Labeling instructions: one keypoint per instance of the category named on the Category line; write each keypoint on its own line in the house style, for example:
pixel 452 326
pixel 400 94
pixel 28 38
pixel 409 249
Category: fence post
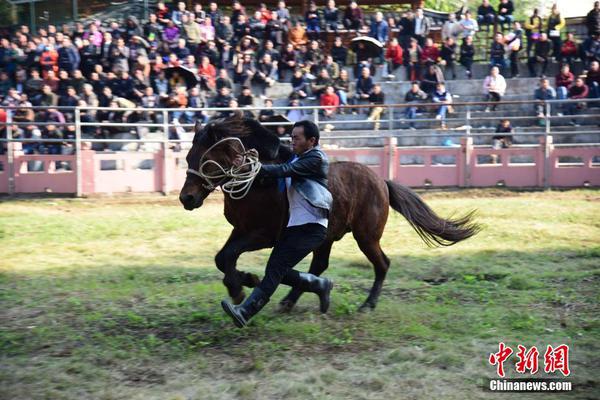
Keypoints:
pixel 547 118
pixel 391 118
pixel 547 148
pixel 466 144
pixel 468 121
pixel 392 142
pixel 10 155
pixel 78 164
pixel 165 146
pixel 316 116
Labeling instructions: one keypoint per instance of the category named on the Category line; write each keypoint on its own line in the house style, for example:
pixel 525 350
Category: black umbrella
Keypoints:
pixel 187 74
pixel 279 121
pixel 372 46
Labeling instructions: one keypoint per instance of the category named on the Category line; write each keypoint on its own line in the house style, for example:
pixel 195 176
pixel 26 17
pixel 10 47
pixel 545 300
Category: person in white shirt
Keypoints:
pixel 494 87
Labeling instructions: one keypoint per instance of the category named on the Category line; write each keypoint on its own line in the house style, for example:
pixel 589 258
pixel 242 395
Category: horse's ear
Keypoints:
pixel 197 127
pixel 261 139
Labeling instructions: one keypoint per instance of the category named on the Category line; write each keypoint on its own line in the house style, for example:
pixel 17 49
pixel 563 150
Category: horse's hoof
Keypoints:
pixel 237 300
pixel 366 307
pixel 285 306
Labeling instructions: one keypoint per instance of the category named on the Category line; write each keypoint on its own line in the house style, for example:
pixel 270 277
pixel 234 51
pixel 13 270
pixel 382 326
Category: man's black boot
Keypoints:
pixel 321 286
pixel 253 304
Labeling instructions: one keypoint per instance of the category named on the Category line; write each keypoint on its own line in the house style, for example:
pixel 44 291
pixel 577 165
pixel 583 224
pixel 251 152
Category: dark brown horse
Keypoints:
pixel 361 202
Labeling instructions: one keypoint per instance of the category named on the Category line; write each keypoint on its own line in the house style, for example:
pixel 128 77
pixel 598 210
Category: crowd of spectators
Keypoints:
pixel 233 50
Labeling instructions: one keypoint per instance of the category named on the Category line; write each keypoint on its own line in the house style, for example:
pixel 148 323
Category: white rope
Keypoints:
pixel 239 177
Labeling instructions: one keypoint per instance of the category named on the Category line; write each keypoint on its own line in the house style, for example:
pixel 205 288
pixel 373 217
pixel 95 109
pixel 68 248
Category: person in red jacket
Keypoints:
pixel 330 100
pixel 564 79
pixel 568 50
pixel 394 56
pixel 578 90
pixel 430 53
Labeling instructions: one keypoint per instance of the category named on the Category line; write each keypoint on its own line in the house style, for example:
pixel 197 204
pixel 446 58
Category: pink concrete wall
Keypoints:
pixel 430 172
pixel 4 174
pixel 574 175
pixel 49 180
pixel 513 175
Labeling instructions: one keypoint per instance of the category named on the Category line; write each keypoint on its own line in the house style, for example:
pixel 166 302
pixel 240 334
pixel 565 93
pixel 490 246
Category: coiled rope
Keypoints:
pixel 235 180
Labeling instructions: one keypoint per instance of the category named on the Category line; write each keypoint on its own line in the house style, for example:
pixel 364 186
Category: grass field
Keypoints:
pixel 119 299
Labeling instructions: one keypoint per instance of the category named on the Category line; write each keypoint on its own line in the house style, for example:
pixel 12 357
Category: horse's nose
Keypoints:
pixel 186 199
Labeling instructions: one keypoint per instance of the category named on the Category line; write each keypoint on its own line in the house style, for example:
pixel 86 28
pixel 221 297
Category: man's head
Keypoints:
pixel 544 83
pixel 414 86
pixel 305 136
pixel 377 88
pixel 579 81
pixel 594 66
pixel 565 69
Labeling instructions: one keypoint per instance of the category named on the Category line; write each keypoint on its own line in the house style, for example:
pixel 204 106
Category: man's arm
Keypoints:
pixel 304 166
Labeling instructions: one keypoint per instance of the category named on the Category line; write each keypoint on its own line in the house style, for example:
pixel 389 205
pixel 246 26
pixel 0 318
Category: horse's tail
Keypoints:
pixel 434 231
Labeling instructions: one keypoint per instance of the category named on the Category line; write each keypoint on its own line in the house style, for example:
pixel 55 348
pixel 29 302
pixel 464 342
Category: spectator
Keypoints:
pixel 430 53
pixel 379 28
pixel 541 55
pixel 244 69
pixel 299 84
pixel 451 28
pixel 245 99
pixel 376 99
pixel 432 76
pixel 543 93
pixel 224 32
pixel 467 52
pixel 497 52
pixel 503 141
pixel 330 101
pixel 394 56
pixel 339 52
pixel 592 20
pixel 468 26
pixel 49 60
pixel 555 23
pixel 569 50
pixel 266 72
pixel 331 16
pixel 505 11
pixel 448 55
pixel 564 80
pixel 353 16
pixel 313 21
pixel 288 61
pixel 68 56
pixel 533 30
pixel 406 27
pixel 590 50
pixel 422 27
pixel 267 112
pixel 494 87
pixel 297 35
pixel 414 96
pixel 444 98
pixel 295 114
pixel 592 80
pixel 332 67
pixel 577 91
pixel 486 15
pixel 514 42
pixel 413 60
pixel 342 87
pixel 321 83
pixel 364 86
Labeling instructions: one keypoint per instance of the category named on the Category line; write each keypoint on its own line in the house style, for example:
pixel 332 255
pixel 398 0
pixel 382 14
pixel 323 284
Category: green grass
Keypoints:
pixel 119 299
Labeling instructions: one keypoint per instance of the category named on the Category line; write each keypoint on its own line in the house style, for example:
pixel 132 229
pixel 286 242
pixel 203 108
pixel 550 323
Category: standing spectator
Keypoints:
pixel 505 11
pixel 353 16
pixel 68 56
pixel 541 55
pixel 330 101
pixel 119 57
pixel 339 52
pixel 542 93
pixel 592 80
pixel 468 26
pixel 533 30
pixel 467 52
pixel 569 50
pixel 49 60
pixel 451 28
pixel 448 54
pixel 224 32
pixel 555 23
pixel 414 96
pixel 486 15
pixel 376 99
pixel 379 28
pixel 592 20
pixel 422 27
pixel 494 87
pixel 563 81
pixel 394 56
pixel 514 42
pixel 444 98
pixel 497 52
pixel 406 27
pixel 413 60
pixel 331 16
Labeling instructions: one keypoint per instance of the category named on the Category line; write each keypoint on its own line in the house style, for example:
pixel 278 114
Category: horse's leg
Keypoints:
pixel 319 263
pixel 381 264
pixel 226 260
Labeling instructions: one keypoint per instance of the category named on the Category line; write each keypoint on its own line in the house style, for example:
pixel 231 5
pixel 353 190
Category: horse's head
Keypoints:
pixel 209 147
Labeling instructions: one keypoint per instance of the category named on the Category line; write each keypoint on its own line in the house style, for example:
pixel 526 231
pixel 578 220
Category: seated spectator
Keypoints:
pixel 51 132
pixel 339 52
pixel 295 114
pixel 563 81
pixel 207 74
pixel 486 15
pixel 494 87
pixel 321 83
pixel 514 43
pixel 70 99
pixel 257 26
pixel 223 80
pixel 376 98
pixel 448 55
pixel 48 98
pixel 364 86
pixel 150 100
pixel 578 90
pixel 331 16
pixel 299 84
pixel 442 96
pixel 467 52
pixel 353 16
pixel 468 26
pixel 569 50
pixel 592 80
pixel 222 99
pixel 314 58
pixel 394 56
pixel 245 100
pixel 267 112
pixel 330 101
pixel 312 19
pixel 505 14
pixel 542 93
pixel 590 50
pixel 412 62
pixel 331 66
pixel 5 83
pixel 430 53
pixel 244 69
pixel 297 35
pixel 432 76
pixel 414 96
pixel 541 55
pixel 266 72
pixel 342 88
pixel 288 61
pixel 497 52
pixel 379 28
pixel 503 141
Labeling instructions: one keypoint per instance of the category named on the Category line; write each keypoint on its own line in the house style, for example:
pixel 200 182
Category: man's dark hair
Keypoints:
pixel 310 130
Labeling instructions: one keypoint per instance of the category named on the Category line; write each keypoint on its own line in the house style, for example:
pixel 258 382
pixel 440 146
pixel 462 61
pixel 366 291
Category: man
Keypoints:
pixel 377 99
pixel 486 14
pixel 540 56
pixel 494 87
pixel 309 205
pixel 414 96
pixel 543 93
pixel 422 26
pixel 592 20
pixel 505 11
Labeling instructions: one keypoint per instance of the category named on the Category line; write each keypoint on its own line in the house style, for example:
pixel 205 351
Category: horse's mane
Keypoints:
pixel 248 130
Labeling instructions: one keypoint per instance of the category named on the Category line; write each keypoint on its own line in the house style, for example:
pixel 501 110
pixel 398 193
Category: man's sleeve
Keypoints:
pixel 302 167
